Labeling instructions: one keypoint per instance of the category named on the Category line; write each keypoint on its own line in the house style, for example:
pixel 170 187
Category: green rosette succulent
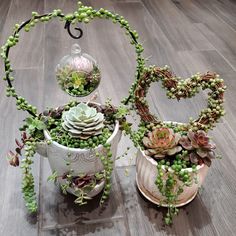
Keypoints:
pixel 83 121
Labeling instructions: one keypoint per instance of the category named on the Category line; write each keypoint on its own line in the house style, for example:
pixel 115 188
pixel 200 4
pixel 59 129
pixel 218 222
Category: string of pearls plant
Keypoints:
pixel 175 146
pixel 83 14
pixel 178 88
pixel 37 122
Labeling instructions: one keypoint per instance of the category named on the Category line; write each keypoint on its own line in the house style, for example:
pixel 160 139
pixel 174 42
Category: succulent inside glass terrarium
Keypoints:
pixel 78 73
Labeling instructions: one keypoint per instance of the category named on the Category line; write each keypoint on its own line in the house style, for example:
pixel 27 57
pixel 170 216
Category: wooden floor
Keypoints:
pixel 188 35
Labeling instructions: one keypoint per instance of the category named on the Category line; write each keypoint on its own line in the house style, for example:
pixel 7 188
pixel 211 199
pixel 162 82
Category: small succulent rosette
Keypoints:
pixel 83 121
pixel 78 73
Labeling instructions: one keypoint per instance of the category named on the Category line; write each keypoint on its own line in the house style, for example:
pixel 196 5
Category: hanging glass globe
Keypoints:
pixel 78 73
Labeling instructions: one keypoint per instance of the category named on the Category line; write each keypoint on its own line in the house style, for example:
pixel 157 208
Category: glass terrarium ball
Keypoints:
pixel 78 73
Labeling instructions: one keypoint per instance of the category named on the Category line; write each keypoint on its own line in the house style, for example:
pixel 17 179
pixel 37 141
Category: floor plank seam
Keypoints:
pixel 78 222
pixel 7 15
pixel 40 217
pixel 222 20
pixel 123 206
pixel 226 60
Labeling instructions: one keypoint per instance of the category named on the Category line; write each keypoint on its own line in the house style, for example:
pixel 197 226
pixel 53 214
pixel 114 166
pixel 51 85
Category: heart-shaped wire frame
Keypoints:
pixel 178 88
pixel 82 14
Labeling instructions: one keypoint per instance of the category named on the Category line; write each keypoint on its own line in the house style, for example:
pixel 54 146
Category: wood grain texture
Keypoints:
pixel 4 8
pixel 28 52
pixel 189 35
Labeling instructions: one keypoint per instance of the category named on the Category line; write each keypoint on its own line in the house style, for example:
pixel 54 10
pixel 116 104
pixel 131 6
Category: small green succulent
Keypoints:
pixel 78 79
pixel 83 121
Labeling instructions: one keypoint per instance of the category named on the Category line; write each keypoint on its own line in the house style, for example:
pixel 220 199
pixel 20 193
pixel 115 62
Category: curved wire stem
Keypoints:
pixel 77 33
pixel 67 27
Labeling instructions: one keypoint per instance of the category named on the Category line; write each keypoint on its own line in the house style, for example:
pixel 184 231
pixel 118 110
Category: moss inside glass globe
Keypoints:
pixel 78 73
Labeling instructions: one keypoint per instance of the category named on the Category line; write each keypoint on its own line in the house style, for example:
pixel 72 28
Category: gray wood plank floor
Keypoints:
pixel 188 35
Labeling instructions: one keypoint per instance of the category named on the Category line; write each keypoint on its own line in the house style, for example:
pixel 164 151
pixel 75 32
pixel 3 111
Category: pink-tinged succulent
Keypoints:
pixel 82 64
pixel 200 139
pixel 13 159
pixel 162 142
pixel 201 145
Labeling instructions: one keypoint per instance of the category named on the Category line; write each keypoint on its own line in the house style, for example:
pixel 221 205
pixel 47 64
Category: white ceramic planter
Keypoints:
pixel 83 161
pixel 146 173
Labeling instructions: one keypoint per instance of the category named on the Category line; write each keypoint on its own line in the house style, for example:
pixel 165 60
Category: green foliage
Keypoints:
pixel 108 167
pixel 83 14
pixel 59 135
pixel 64 188
pixel 53 177
pixel 122 112
pixel 82 196
pixel 166 182
pixel 28 179
pixel 34 124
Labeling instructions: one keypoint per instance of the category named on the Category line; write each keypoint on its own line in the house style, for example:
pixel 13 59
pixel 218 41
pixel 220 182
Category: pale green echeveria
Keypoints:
pixel 83 121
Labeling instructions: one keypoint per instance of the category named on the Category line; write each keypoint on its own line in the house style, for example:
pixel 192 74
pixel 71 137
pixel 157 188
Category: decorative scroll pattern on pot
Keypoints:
pixel 86 157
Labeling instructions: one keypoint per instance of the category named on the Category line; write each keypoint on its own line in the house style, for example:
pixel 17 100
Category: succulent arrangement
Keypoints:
pixel 163 142
pixel 174 147
pixel 78 73
pixel 77 82
pixel 92 126
pixel 59 122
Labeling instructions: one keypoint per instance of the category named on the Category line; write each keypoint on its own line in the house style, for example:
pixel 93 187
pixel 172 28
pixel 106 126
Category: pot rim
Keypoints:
pixel 115 131
pixel 153 162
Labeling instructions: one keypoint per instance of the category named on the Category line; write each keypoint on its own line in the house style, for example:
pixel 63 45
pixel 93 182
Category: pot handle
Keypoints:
pixel 41 149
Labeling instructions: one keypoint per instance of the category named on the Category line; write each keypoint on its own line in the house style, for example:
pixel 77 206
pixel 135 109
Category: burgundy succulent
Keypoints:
pixel 13 159
pixel 201 146
pixel 80 182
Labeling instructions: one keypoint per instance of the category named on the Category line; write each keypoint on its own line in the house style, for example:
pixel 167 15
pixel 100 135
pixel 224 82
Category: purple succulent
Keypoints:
pixel 201 146
pixel 13 159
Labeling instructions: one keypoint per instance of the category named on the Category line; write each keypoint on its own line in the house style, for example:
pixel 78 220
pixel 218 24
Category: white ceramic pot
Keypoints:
pixel 82 161
pixel 146 173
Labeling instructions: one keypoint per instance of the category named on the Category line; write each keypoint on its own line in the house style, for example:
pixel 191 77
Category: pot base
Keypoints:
pixel 157 201
pixel 95 191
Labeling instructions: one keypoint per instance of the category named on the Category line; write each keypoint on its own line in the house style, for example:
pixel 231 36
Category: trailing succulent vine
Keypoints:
pixel 36 123
pixel 52 120
pixel 83 14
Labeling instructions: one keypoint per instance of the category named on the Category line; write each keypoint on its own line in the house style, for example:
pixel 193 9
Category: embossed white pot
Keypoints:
pixel 146 173
pixel 82 161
